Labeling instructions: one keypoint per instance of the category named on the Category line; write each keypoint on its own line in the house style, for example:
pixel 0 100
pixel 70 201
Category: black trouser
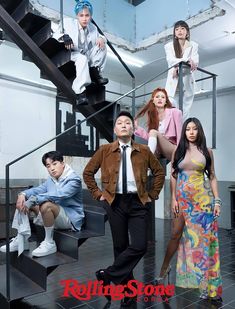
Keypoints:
pixel 127 216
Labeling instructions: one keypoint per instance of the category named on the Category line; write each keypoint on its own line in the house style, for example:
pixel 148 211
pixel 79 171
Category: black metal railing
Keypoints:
pixel 181 94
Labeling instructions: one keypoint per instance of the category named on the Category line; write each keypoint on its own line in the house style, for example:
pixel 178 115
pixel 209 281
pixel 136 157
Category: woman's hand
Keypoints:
pixel 175 72
pixel 192 65
pixel 216 212
pixel 175 208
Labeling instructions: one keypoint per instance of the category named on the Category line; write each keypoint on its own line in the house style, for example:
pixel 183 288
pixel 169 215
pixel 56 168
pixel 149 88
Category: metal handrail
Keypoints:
pixel 122 62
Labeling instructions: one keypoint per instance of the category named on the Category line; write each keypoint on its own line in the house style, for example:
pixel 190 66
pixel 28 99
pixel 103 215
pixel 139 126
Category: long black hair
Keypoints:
pixel 183 146
pixel 177 47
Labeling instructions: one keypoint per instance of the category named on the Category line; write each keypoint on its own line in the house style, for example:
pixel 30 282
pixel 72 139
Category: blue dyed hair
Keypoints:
pixel 81 5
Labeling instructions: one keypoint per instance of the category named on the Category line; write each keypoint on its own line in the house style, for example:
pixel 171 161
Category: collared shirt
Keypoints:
pixel 131 185
pixel 82 36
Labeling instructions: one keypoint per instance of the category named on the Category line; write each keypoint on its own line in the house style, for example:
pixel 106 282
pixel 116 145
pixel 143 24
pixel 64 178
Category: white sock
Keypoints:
pixel 152 143
pixel 49 233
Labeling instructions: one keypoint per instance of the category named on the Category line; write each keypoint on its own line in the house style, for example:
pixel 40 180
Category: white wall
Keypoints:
pixel 28 116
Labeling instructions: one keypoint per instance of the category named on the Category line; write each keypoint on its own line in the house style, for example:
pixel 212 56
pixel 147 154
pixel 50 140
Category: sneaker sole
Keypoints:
pixel 44 254
pixel 26 248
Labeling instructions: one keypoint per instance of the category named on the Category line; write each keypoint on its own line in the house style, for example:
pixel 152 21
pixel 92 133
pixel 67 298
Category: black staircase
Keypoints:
pixel 28 275
pixel 33 34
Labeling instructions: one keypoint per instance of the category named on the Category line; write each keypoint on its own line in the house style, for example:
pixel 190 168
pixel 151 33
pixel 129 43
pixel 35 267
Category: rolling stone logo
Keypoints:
pixel 134 288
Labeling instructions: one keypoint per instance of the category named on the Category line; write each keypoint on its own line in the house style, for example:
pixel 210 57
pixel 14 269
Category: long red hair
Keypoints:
pixel 150 109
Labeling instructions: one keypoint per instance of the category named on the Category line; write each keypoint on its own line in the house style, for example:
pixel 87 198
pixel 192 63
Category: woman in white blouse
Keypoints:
pixel 181 49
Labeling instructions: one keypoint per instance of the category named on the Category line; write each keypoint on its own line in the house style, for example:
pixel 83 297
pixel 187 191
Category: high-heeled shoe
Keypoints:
pixel 161 280
pixel 217 298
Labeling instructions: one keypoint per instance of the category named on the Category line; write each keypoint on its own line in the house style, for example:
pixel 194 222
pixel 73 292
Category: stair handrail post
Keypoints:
pixel 133 98
pixel 181 86
pixel 214 112
pixel 62 16
pixel 114 50
pixel 7 213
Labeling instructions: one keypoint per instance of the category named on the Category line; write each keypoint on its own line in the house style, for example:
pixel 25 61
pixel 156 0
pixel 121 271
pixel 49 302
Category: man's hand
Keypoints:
pixel 100 42
pixel 20 203
pixel 68 42
pixel 102 198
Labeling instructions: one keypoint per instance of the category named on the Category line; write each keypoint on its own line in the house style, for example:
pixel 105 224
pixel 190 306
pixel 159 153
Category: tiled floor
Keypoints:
pixel 97 253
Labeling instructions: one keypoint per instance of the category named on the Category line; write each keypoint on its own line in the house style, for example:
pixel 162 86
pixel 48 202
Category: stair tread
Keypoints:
pixel 79 235
pixel 51 260
pixel 18 279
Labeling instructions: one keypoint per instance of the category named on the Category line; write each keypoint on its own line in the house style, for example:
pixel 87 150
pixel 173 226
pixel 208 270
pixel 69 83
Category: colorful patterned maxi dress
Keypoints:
pixel 198 264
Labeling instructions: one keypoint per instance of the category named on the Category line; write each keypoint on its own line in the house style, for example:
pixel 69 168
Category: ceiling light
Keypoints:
pixel 128 59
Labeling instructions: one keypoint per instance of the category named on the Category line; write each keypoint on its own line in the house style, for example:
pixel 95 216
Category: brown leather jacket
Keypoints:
pixel 108 159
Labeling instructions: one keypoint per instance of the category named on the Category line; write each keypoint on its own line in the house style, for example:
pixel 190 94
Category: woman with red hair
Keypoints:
pixel 164 124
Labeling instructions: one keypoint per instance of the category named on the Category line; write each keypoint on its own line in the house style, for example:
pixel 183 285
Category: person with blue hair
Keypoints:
pixel 88 49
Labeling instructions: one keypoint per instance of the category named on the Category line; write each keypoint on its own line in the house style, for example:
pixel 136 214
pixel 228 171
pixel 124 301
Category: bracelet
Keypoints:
pixel 218 201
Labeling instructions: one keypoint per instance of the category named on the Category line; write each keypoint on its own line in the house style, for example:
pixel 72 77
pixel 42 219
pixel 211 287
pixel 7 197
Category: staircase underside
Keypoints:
pixel 21 286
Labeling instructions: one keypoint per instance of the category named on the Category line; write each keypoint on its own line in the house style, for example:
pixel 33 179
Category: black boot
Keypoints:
pixel 81 98
pixel 96 77
pixel 102 276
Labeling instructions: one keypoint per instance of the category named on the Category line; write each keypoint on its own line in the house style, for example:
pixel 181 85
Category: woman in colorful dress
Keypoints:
pixel 196 207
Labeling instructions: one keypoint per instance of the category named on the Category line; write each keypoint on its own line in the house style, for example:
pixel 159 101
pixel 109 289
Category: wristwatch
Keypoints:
pixel 22 193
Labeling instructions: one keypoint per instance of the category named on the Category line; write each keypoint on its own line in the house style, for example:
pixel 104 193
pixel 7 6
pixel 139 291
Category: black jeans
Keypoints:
pixel 127 217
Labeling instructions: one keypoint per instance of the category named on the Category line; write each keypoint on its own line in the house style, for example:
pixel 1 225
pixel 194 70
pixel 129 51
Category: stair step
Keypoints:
pixel 10 6
pixel 94 226
pixel 52 47
pixel 21 10
pixel 25 17
pixel 44 34
pixel 38 268
pixel 20 285
pixel 31 23
pixel 68 241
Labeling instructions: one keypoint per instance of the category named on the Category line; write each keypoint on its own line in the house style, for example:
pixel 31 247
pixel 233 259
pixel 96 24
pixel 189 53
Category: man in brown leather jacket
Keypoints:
pixel 125 197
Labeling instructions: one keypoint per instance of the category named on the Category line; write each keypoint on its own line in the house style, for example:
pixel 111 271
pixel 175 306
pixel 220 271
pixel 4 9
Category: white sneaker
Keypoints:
pixel 44 249
pixel 13 246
